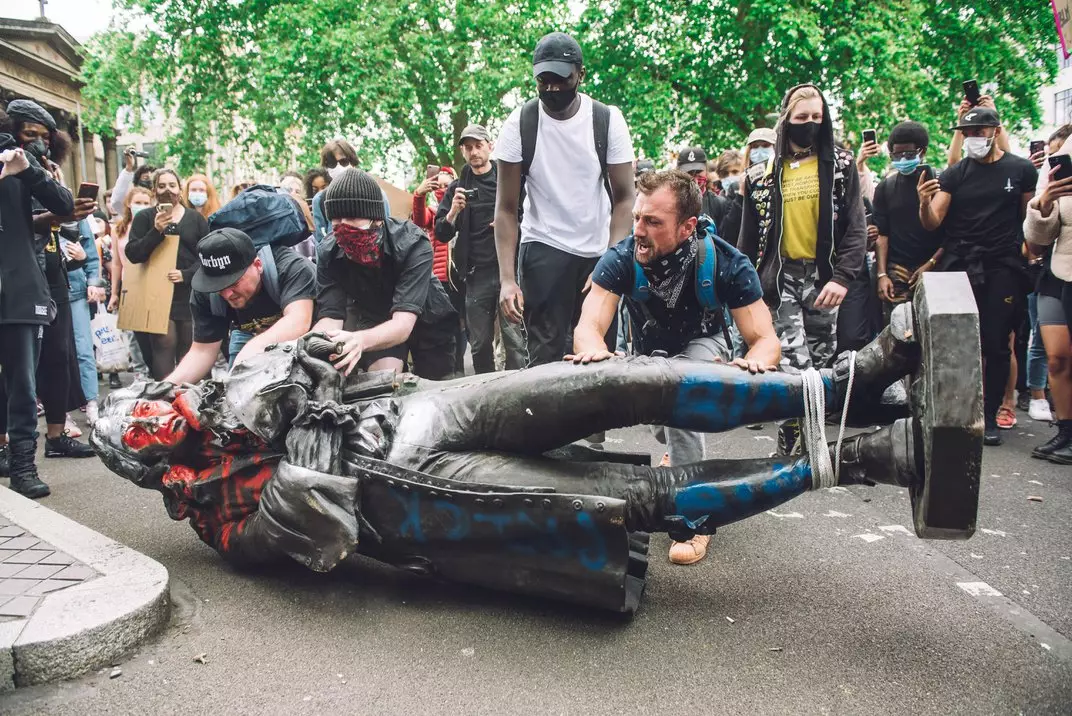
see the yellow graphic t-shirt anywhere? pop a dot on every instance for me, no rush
(800, 209)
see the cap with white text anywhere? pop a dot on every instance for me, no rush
(225, 254)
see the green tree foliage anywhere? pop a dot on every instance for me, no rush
(275, 74)
(711, 70)
(282, 76)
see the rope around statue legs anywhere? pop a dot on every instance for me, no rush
(813, 428)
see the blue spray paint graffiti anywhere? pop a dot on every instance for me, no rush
(726, 400)
(731, 500)
(519, 531)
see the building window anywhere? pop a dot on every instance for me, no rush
(1062, 61)
(1062, 107)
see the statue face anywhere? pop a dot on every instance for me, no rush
(140, 426)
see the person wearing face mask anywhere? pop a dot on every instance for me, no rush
(147, 233)
(199, 194)
(379, 270)
(693, 161)
(904, 250)
(130, 175)
(138, 199)
(980, 203)
(803, 226)
(336, 157)
(758, 149)
(25, 306)
(576, 157)
(466, 216)
(443, 264)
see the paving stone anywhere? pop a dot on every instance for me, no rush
(19, 607)
(10, 570)
(48, 586)
(21, 543)
(40, 571)
(15, 587)
(76, 572)
(5, 553)
(28, 556)
(9, 531)
(57, 558)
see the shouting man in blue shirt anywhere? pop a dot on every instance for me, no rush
(678, 279)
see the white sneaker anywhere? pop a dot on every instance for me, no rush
(71, 428)
(1039, 409)
(92, 413)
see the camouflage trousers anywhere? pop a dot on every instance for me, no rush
(808, 334)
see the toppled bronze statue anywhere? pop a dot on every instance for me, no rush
(476, 480)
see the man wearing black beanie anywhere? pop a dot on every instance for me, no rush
(379, 270)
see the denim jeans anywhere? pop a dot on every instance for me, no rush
(83, 349)
(1037, 368)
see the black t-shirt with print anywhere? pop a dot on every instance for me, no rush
(985, 218)
(297, 281)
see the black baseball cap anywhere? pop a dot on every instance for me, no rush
(557, 53)
(643, 166)
(979, 117)
(225, 254)
(689, 159)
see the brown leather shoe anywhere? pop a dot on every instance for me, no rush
(689, 552)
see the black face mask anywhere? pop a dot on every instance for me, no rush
(804, 135)
(37, 149)
(558, 101)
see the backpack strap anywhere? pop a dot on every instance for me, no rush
(641, 289)
(706, 265)
(530, 123)
(601, 133)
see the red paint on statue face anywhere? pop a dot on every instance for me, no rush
(154, 423)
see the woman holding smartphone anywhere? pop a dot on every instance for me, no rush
(147, 233)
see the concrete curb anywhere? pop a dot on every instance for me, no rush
(88, 625)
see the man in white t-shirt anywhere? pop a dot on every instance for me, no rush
(569, 216)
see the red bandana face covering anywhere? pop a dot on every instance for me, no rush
(701, 181)
(362, 246)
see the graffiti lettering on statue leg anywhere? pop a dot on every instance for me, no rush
(425, 521)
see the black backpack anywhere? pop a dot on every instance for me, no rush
(530, 123)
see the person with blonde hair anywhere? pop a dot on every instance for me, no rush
(803, 226)
(199, 194)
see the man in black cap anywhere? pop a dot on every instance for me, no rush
(467, 212)
(381, 268)
(980, 203)
(576, 158)
(25, 304)
(693, 161)
(260, 297)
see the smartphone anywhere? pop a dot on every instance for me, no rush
(870, 136)
(1064, 162)
(1036, 146)
(928, 171)
(87, 190)
(971, 92)
(164, 208)
(431, 171)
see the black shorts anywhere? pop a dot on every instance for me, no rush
(431, 347)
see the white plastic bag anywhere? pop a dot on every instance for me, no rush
(109, 343)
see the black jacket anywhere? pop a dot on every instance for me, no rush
(715, 206)
(24, 294)
(842, 236)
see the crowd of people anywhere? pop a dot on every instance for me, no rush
(553, 241)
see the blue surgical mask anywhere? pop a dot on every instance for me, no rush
(760, 155)
(198, 198)
(907, 165)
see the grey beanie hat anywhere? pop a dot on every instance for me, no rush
(353, 195)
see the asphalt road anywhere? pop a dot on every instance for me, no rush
(793, 612)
